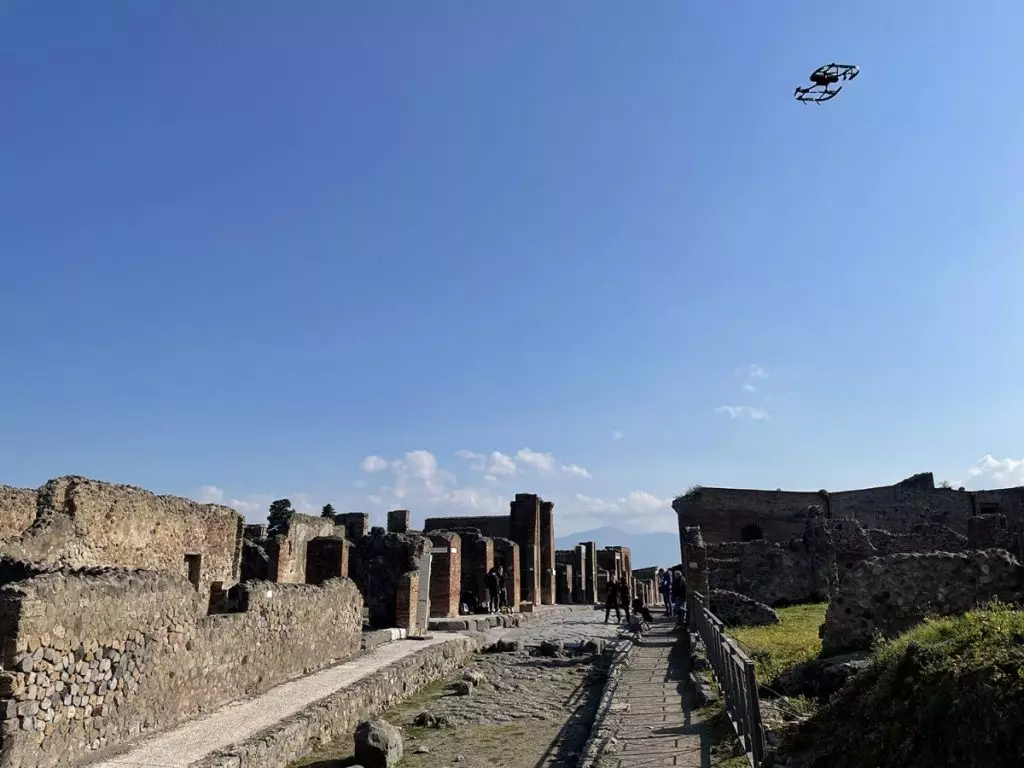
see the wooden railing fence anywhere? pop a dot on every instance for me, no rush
(734, 672)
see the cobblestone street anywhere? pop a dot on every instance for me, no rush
(572, 628)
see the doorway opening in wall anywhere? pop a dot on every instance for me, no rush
(193, 567)
(751, 533)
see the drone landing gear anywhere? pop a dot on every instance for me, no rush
(816, 94)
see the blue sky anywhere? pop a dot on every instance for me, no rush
(250, 249)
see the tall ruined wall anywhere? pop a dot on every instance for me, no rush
(903, 506)
(1003, 501)
(888, 595)
(383, 566)
(488, 525)
(97, 657)
(84, 523)
(996, 531)
(732, 514)
(288, 544)
(17, 510)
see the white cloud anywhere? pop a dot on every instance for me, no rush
(742, 411)
(419, 472)
(572, 469)
(211, 494)
(749, 387)
(1006, 471)
(617, 434)
(500, 464)
(542, 462)
(490, 478)
(469, 455)
(639, 511)
(374, 464)
(757, 372)
(373, 498)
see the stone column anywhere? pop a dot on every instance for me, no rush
(547, 552)
(590, 571)
(524, 514)
(398, 521)
(695, 561)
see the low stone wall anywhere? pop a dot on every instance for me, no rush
(17, 510)
(337, 715)
(95, 658)
(995, 531)
(735, 609)
(888, 595)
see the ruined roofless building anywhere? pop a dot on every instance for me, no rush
(736, 514)
(530, 524)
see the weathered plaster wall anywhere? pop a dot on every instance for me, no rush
(94, 658)
(85, 523)
(889, 595)
(17, 510)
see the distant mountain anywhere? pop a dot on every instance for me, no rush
(661, 549)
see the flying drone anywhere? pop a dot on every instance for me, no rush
(823, 78)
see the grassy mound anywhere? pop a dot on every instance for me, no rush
(777, 647)
(948, 692)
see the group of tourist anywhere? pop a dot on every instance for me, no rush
(672, 585)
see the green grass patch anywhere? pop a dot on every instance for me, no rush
(779, 647)
(948, 692)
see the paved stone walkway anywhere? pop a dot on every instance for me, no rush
(233, 723)
(652, 708)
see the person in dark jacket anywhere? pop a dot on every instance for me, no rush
(612, 601)
(492, 590)
(625, 596)
(502, 590)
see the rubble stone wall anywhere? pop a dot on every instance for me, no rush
(378, 563)
(923, 537)
(85, 523)
(445, 575)
(17, 510)
(94, 658)
(996, 531)
(888, 595)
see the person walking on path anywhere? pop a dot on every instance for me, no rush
(625, 596)
(492, 590)
(612, 601)
(666, 590)
(502, 590)
(678, 589)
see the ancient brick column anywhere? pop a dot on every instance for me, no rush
(445, 574)
(506, 554)
(547, 552)
(407, 598)
(398, 521)
(590, 571)
(477, 560)
(524, 514)
(695, 560)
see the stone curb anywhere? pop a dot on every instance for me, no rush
(337, 714)
(507, 620)
(602, 730)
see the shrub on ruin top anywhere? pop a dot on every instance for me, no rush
(692, 493)
(948, 692)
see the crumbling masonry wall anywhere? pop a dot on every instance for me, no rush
(17, 510)
(94, 658)
(287, 546)
(383, 566)
(547, 553)
(996, 531)
(889, 595)
(85, 523)
(524, 519)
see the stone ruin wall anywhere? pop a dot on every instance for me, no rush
(385, 567)
(93, 658)
(995, 531)
(735, 514)
(285, 549)
(17, 510)
(83, 523)
(889, 595)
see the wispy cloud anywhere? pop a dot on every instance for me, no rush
(757, 371)
(1007, 471)
(210, 494)
(617, 434)
(748, 387)
(572, 469)
(374, 464)
(742, 412)
(641, 511)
